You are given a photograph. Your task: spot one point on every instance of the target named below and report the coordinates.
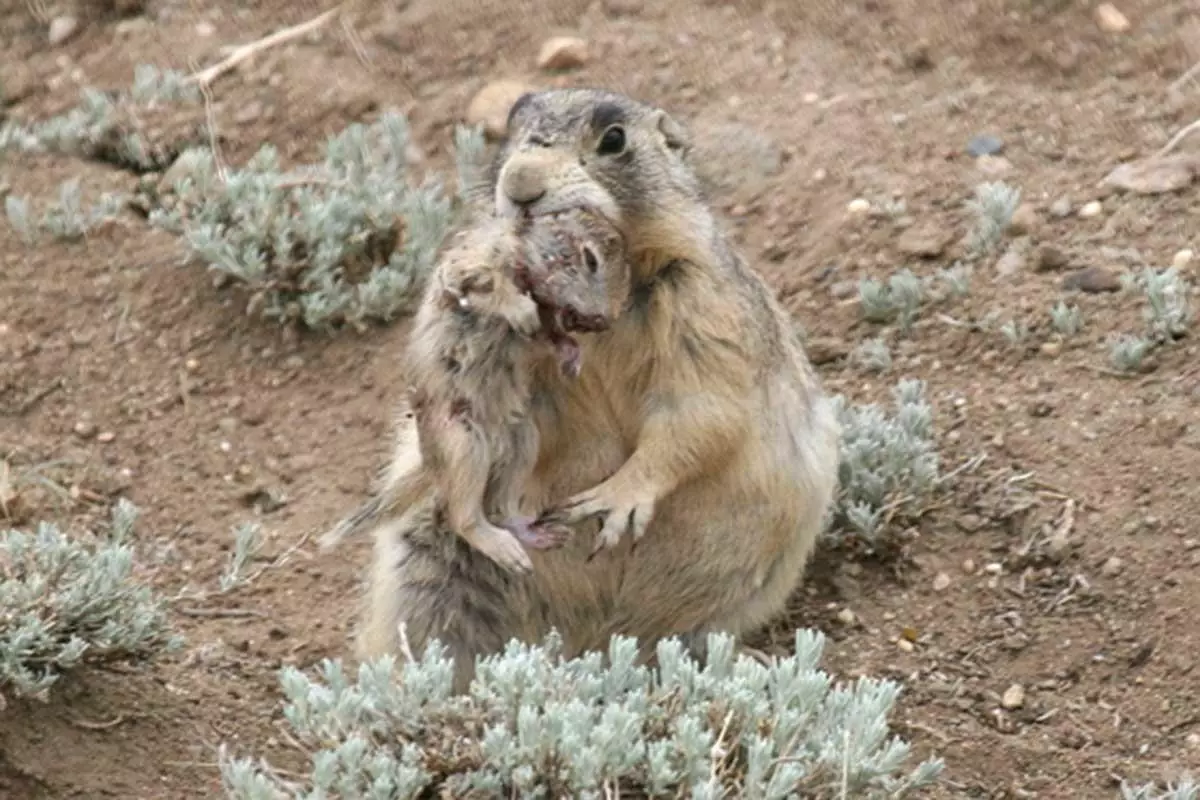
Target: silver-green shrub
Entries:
(1186, 789)
(66, 220)
(534, 724)
(118, 127)
(889, 462)
(900, 298)
(348, 241)
(66, 602)
(1168, 313)
(993, 207)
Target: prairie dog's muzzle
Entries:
(546, 180)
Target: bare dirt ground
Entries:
(123, 373)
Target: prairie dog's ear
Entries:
(674, 134)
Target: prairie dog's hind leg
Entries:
(465, 484)
(511, 476)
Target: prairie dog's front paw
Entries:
(623, 512)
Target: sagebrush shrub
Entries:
(348, 241)
(135, 129)
(66, 601)
(993, 206)
(66, 220)
(900, 298)
(1186, 789)
(888, 463)
(534, 724)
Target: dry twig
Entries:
(1191, 73)
(207, 76)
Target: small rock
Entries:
(1012, 262)
(858, 205)
(847, 617)
(248, 113)
(1052, 349)
(1091, 209)
(1061, 207)
(968, 566)
(1170, 173)
(1013, 697)
(62, 28)
(106, 437)
(85, 429)
(924, 241)
(1024, 220)
(941, 582)
(128, 27)
(1112, 567)
(842, 290)
(993, 165)
(1093, 280)
(563, 52)
(905, 645)
(491, 104)
(984, 145)
(1182, 259)
(1050, 258)
(1110, 19)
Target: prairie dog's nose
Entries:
(526, 177)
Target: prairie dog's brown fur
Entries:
(696, 425)
(495, 305)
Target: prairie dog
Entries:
(696, 426)
(498, 301)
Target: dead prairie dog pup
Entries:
(498, 303)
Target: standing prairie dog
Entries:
(696, 426)
(502, 297)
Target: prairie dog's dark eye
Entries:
(590, 259)
(612, 142)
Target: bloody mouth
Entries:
(565, 346)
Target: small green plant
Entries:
(66, 602)
(536, 724)
(1067, 320)
(957, 279)
(889, 463)
(1126, 352)
(1186, 789)
(874, 356)
(347, 242)
(65, 220)
(900, 298)
(1169, 310)
(247, 541)
(1015, 332)
(993, 206)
